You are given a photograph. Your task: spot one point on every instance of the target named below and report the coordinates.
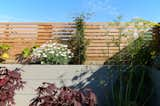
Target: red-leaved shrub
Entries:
(49, 95)
(10, 81)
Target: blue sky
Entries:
(64, 10)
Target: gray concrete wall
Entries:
(99, 78)
(77, 76)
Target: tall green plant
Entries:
(133, 86)
(78, 43)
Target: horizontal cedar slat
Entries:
(26, 31)
(101, 48)
(102, 51)
(19, 26)
(101, 31)
(97, 55)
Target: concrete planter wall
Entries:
(77, 76)
(97, 77)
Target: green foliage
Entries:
(4, 48)
(134, 86)
(143, 42)
(51, 59)
(156, 36)
(24, 57)
(26, 52)
(78, 43)
(146, 23)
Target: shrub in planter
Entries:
(10, 81)
(50, 95)
(25, 56)
(51, 53)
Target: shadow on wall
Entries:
(100, 82)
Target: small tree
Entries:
(10, 81)
(78, 42)
(50, 95)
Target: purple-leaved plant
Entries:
(10, 81)
(49, 95)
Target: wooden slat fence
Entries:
(102, 37)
